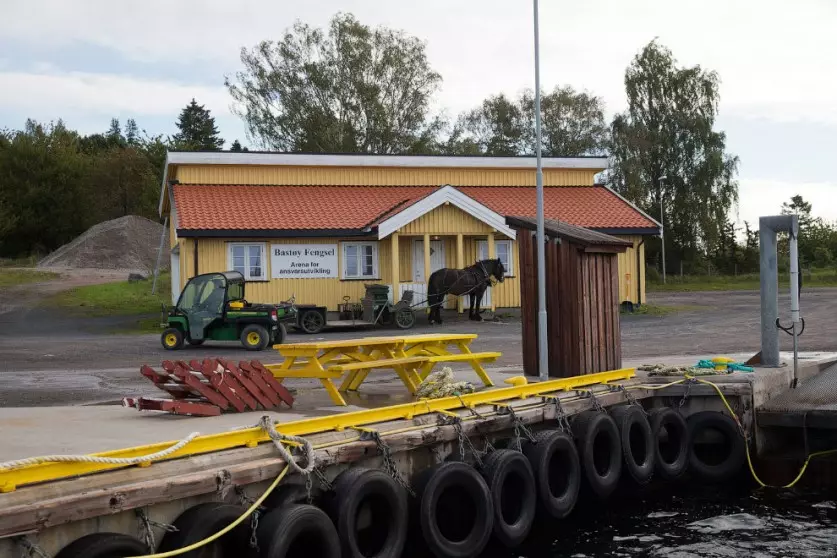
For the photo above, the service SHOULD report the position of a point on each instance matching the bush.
(652, 274)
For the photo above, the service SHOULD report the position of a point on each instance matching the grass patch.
(743, 282)
(115, 299)
(12, 277)
(660, 310)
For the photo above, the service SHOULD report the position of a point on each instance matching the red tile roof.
(244, 207)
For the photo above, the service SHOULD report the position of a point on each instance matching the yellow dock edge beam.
(11, 479)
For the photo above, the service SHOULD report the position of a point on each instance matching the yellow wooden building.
(321, 226)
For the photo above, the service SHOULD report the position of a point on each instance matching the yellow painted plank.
(385, 363)
(43, 472)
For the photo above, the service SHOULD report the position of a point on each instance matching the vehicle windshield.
(205, 294)
(235, 291)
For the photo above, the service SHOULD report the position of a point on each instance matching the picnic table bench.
(412, 357)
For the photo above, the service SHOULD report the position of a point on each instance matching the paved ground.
(63, 365)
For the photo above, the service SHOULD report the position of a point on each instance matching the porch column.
(396, 271)
(460, 264)
(427, 262)
(492, 253)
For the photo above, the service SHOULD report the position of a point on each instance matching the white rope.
(267, 425)
(19, 463)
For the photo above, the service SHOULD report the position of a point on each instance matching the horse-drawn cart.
(374, 309)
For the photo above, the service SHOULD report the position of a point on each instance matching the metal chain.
(146, 531)
(630, 398)
(309, 485)
(321, 478)
(561, 415)
(519, 427)
(30, 549)
(689, 382)
(596, 405)
(254, 518)
(390, 466)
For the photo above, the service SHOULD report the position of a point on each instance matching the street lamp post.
(543, 360)
(662, 217)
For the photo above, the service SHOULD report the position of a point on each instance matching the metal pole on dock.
(543, 371)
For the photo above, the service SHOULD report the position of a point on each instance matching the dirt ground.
(54, 360)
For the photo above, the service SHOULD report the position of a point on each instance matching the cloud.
(56, 95)
(765, 197)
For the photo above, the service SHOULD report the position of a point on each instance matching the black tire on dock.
(716, 446)
(104, 545)
(557, 471)
(599, 451)
(637, 442)
(369, 510)
(290, 494)
(296, 531)
(671, 443)
(203, 520)
(454, 510)
(512, 485)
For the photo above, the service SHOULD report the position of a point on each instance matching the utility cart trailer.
(374, 309)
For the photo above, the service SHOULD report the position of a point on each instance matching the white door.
(419, 284)
(175, 277)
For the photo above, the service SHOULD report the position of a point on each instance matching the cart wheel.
(311, 321)
(405, 318)
(281, 335)
(255, 337)
(172, 339)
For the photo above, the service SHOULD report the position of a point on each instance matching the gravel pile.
(128, 243)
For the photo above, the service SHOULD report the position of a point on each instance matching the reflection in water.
(690, 520)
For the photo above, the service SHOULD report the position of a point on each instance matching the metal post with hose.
(543, 360)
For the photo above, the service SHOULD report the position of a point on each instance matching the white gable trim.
(445, 194)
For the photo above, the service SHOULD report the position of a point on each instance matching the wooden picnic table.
(412, 357)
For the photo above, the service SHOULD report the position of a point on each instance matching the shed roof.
(580, 235)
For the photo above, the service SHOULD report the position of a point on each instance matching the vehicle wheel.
(312, 321)
(405, 318)
(196, 342)
(255, 337)
(280, 335)
(172, 339)
(103, 545)
(716, 448)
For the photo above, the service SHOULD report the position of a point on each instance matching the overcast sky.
(89, 60)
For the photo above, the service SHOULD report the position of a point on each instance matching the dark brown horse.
(471, 281)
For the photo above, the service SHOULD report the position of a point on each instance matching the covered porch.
(448, 229)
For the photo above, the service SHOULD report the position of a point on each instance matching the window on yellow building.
(503, 248)
(360, 260)
(249, 260)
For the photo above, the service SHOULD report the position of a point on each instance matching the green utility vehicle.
(212, 306)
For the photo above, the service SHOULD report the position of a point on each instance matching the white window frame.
(247, 277)
(344, 272)
(482, 253)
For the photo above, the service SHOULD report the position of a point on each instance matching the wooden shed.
(582, 292)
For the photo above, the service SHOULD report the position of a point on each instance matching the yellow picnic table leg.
(486, 379)
(406, 377)
(332, 391)
(357, 378)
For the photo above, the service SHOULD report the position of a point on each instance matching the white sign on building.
(308, 261)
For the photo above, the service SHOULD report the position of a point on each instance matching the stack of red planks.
(208, 387)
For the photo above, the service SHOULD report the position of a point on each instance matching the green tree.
(236, 147)
(798, 206)
(197, 129)
(131, 132)
(115, 131)
(351, 88)
(127, 182)
(667, 131)
(572, 124)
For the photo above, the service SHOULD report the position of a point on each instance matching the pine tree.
(236, 146)
(131, 132)
(198, 131)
